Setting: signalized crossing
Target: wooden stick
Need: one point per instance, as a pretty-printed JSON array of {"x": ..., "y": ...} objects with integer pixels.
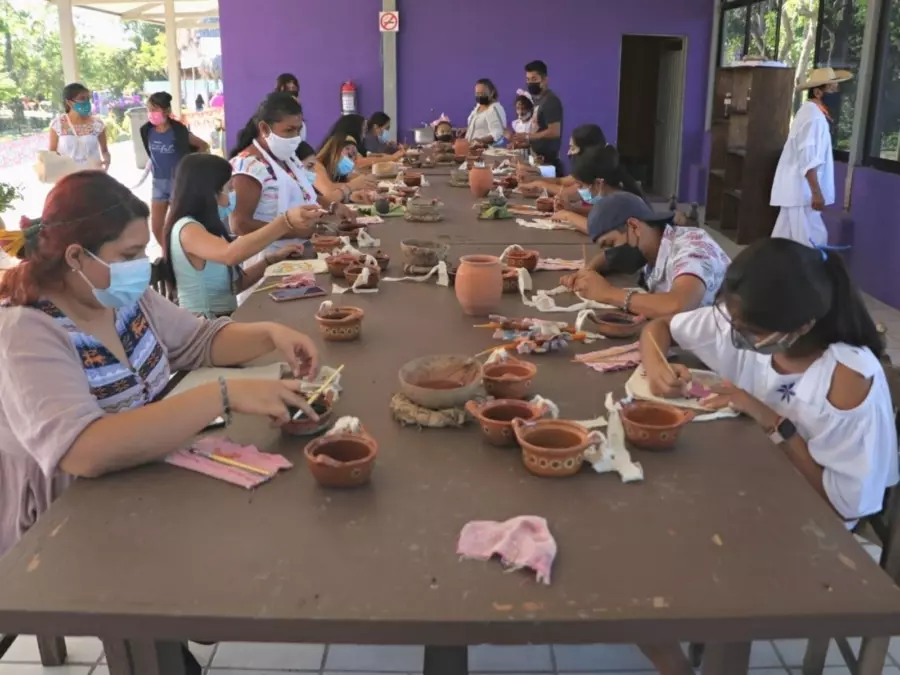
[
  {"x": 267, "y": 288},
  {"x": 660, "y": 354},
  {"x": 508, "y": 345},
  {"x": 234, "y": 463},
  {"x": 318, "y": 392},
  {"x": 584, "y": 254}
]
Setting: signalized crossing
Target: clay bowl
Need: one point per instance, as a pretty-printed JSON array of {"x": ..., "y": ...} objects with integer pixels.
[
  {"x": 337, "y": 264},
  {"x": 383, "y": 259},
  {"x": 423, "y": 253},
  {"x": 385, "y": 170},
  {"x": 551, "y": 448},
  {"x": 476, "y": 152},
  {"x": 470, "y": 163},
  {"x": 428, "y": 163},
  {"x": 510, "y": 280},
  {"x": 412, "y": 179},
  {"x": 423, "y": 208},
  {"x": 353, "y": 271},
  {"x": 530, "y": 191},
  {"x": 382, "y": 189},
  {"x": 441, "y": 381},
  {"x": 615, "y": 324},
  {"x": 304, "y": 426},
  {"x": 509, "y": 182},
  {"x": 523, "y": 258},
  {"x": 545, "y": 204},
  {"x": 459, "y": 177},
  {"x": 341, "y": 460},
  {"x": 495, "y": 418},
  {"x": 509, "y": 379},
  {"x": 340, "y": 324},
  {"x": 459, "y": 159},
  {"x": 408, "y": 191},
  {"x": 653, "y": 426},
  {"x": 325, "y": 243}
]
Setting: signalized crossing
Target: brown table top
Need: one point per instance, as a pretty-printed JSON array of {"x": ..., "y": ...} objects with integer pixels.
[{"x": 723, "y": 541}]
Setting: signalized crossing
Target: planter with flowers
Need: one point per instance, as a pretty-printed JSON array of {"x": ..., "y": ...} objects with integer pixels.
[{"x": 9, "y": 194}]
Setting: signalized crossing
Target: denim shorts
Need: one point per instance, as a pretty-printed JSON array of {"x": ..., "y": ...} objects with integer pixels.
[{"x": 162, "y": 189}]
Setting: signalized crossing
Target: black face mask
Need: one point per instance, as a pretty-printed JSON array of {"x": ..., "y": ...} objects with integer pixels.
[
  {"x": 535, "y": 88},
  {"x": 444, "y": 138},
  {"x": 482, "y": 100},
  {"x": 832, "y": 101},
  {"x": 624, "y": 259}
]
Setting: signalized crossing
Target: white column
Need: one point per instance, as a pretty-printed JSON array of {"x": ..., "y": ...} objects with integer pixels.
[
  {"x": 173, "y": 66},
  {"x": 67, "y": 41},
  {"x": 389, "y": 70}
]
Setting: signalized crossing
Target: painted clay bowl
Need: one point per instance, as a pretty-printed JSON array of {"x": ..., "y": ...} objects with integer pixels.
[
  {"x": 476, "y": 151},
  {"x": 353, "y": 271},
  {"x": 407, "y": 191},
  {"x": 383, "y": 259},
  {"x": 423, "y": 253},
  {"x": 441, "y": 381},
  {"x": 304, "y": 426},
  {"x": 509, "y": 379},
  {"x": 545, "y": 204},
  {"x": 341, "y": 460},
  {"x": 653, "y": 426},
  {"x": 459, "y": 178},
  {"x": 423, "y": 209},
  {"x": 340, "y": 324},
  {"x": 551, "y": 448},
  {"x": 412, "y": 179},
  {"x": 325, "y": 243},
  {"x": 428, "y": 162},
  {"x": 385, "y": 169},
  {"x": 615, "y": 324},
  {"x": 495, "y": 418},
  {"x": 529, "y": 191},
  {"x": 509, "y": 182},
  {"x": 337, "y": 264},
  {"x": 510, "y": 280},
  {"x": 523, "y": 258}
]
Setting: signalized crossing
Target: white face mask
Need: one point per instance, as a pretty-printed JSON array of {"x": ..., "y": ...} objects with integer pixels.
[{"x": 282, "y": 148}]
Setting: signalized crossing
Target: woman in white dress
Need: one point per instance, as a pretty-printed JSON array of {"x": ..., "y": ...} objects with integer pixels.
[
  {"x": 487, "y": 121},
  {"x": 77, "y": 133}
]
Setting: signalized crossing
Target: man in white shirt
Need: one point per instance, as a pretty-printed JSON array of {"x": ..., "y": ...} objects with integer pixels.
[{"x": 804, "y": 180}]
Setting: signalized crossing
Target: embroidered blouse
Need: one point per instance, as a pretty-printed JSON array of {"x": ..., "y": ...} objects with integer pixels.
[
  {"x": 250, "y": 165},
  {"x": 688, "y": 250}
]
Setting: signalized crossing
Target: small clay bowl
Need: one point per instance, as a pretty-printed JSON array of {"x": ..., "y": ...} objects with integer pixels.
[
  {"x": 526, "y": 259},
  {"x": 441, "y": 381},
  {"x": 412, "y": 179},
  {"x": 382, "y": 189},
  {"x": 552, "y": 448},
  {"x": 337, "y": 264},
  {"x": 531, "y": 191},
  {"x": 509, "y": 182},
  {"x": 383, "y": 260},
  {"x": 613, "y": 324},
  {"x": 353, "y": 271},
  {"x": 510, "y": 280},
  {"x": 304, "y": 425},
  {"x": 545, "y": 205},
  {"x": 423, "y": 253},
  {"x": 495, "y": 418},
  {"x": 340, "y": 324},
  {"x": 408, "y": 191},
  {"x": 459, "y": 159},
  {"x": 341, "y": 460},
  {"x": 653, "y": 426},
  {"x": 476, "y": 151},
  {"x": 325, "y": 243},
  {"x": 385, "y": 169},
  {"x": 509, "y": 379}
]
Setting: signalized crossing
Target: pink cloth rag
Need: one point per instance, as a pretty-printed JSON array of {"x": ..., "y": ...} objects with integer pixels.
[
  {"x": 195, "y": 460},
  {"x": 612, "y": 359},
  {"x": 520, "y": 542}
]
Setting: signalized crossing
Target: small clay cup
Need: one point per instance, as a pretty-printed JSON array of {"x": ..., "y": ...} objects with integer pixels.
[
  {"x": 337, "y": 264},
  {"x": 523, "y": 258},
  {"x": 495, "y": 418},
  {"x": 510, "y": 280},
  {"x": 383, "y": 260},
  {"x": 614, "y": 324},
  {"x": 304, "y": 425},
  {"x": 545, "y": 205},
  {"x": 412, "y": 179},
  {"x": 653, "y": 426},
  {"x": 509, "y": 379},
  {"x": 341, "y": 460},
  {"x": 353, "y": 271},
  {"x": 325, "y": 243},
  {"x": 340, "y": 324},
  {"x": 552, "y": 448}
]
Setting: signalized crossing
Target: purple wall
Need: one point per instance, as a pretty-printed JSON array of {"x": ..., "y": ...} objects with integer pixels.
[
  {"x": 579, "y": 39},
  {"x": 322, "y": 42}
]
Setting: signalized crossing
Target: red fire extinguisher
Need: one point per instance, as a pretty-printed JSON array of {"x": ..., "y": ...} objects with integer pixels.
[{"x": 348, "y": 98}]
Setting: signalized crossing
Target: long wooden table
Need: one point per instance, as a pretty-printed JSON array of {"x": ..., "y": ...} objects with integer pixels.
[{"x": 722, "y": 543}]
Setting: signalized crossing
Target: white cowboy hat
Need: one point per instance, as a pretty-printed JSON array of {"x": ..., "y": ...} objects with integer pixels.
[{"x": 819, "y": 77}]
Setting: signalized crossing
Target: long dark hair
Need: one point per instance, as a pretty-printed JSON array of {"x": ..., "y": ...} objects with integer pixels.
[
  {"x": 347, "y": 125},
  {"x": 304, "y": 151},
  {"x": 601, "y": 162},
  {"x": 70, "y": 91},
  {"x": 780, "y": 285},
  {"x": 588, "y": 136},
  {"x": 274, "y": 107},
  {"x": 199, "y": 179},
  {"x": 379, "y": 119}
]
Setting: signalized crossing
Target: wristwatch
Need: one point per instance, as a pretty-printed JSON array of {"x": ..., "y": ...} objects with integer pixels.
[{"x": 783, "y": 431}]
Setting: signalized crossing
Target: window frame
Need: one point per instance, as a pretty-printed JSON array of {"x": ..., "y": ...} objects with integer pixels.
[{"x": 881, "y": 43}]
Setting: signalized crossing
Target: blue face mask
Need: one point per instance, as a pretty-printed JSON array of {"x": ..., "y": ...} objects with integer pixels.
[
  {"x": 586, "y": 196},
  {"x": 384, "y": 136},
  {"x": 128, "y": 281},
  {"x": 345, "y": 166},
  {"x": 83, "y": 108},
  {"x": 225, "y": 211}
]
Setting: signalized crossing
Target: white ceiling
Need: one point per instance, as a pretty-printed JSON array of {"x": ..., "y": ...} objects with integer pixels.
[{"x": 188, "y": 13}]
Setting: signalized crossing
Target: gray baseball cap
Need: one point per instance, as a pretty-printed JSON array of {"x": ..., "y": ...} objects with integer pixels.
[{"x": 612, "y": 212}]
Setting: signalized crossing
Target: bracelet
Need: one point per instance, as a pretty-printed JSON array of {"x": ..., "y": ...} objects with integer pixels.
[
  {"x": 628, "y": 295},
  {"x": 226, "y": 404},
  {"x": 287, "y": 219}
]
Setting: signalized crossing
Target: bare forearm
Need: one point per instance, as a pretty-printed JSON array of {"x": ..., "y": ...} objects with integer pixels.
[
  {"x": 659, "y": 331},
  {"x": 240, "y": 343},
  {"x": 142, "y": 435},
  {"x": 651, "y": 305},
  {"x": 813, "y": 179},
  {"x": 252, "y": 274}
]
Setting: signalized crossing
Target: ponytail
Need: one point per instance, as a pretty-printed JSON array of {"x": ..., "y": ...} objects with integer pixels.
[
  {"x": 245, "y": 138},
  {"x": 602, "y": 163},
  {"x": 847, "y": 320},
  {"x": 274, "y": 107},
  {"x": 627, "y": 182}
]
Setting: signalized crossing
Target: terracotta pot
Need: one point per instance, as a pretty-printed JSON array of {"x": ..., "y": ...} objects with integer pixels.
[
  {"x": 551, "y": 448},
  {"x": 337, "y": 264},
  {"x": 325, "y": 243},
  {"x": 412, "y": 179},
  {"x": 545, "y": 204},
  {"x": 510, "y": 281},
  {"x": 461, "y": 147},
  {"x": 479, "y": 284},
  {"x": 341, "y": 324},
  {"x": 481, "y": 181},
  {"x": 615, "y": 324},
  {"x": 305, "y": 426},
  {"x": 509, "y": 379},
  {"x": 523, "y": 258},
  {"x": 653, "y": 426},
  {"x": 495, "y": 418},
  {"x": 341, "y": 460},
  {"x": 351, "y": 274}
]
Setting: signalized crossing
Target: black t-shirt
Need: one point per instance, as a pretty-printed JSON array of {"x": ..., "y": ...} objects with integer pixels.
[{"x": 550, "y": 110}]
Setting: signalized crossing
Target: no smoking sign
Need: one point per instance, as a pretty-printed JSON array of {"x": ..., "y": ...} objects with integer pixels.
[{"x": 389, "y": 22}]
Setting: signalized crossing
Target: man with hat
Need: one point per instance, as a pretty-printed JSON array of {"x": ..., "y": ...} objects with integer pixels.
[
  {"x": 684, "y": 265},
  {"x": 804, "y": 180}
]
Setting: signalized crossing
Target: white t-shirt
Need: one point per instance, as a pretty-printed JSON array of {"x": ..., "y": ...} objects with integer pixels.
[
  {"x": 856, "y": 448},
  {"x": 489, "y": 122},
  {"x": 808, "y": 147},
  {"x": 688, "y": 250}
]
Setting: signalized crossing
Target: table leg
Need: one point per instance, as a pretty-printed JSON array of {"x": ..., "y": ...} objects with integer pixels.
[
  {"x": 145, "y": 657},
  {"x": 446, "y": 661},
  {"x": 53, "y": 650},
  {"x": 730, "y": 658},
  {"x": 872, "y": 655}
]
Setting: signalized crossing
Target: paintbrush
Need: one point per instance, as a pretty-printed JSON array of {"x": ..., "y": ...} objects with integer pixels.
[
  {"x": 318, "y": 392},
  {"x": 659, "y": 353},
  {"x": 234, "y": 463}
]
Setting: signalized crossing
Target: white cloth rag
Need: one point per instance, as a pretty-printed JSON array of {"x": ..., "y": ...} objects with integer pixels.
[
  {"x": 545, "y": 224},
  {"x": 443, "y": 277},
  {"x": 610, "y": 454},
  {"x": 543, "y": 300}
]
